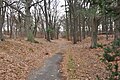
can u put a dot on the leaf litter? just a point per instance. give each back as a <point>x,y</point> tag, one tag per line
<point>19,57</point>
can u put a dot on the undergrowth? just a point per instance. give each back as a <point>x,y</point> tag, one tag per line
<point>110,58</point>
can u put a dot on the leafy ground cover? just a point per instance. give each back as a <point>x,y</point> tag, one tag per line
<point>82,63</point>
<point>19,57</point>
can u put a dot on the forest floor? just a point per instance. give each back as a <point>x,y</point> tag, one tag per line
<point>19,57</point>
<point>80,62</point>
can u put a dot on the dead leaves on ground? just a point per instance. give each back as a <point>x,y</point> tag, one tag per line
<point>17,58</point>
<point>87,61</point>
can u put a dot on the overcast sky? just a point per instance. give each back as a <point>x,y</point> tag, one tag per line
<point>61,9</point>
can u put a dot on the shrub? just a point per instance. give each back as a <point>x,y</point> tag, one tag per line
<point>110,58</point>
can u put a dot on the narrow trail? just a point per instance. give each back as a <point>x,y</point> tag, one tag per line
<point>51,68</point>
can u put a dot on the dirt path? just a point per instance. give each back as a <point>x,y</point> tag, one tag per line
<point>51,68</point>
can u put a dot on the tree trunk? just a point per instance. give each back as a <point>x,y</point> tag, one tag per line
<point>1,34</point>
<point>111,26</point>
<point>46,18</point>
<point>117,29</point>
<point>36,21</point>
<point>7,23</point>
<point>117,23</point>
<point>83,28</point>
<point>67,28</point>
<point>58,32</point>
<point>70,20</point>
<point>79,23</point>
<point>11,25</point>
<point>94,33</point>
<point>29,22</point>
<point>75,31</point>
<point>103,27</point>
<point>106,27</point>
<point>2,15</point>
<point>75,23</point>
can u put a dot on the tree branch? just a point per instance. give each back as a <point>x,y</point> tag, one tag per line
<point>35,3</point>
<point>7,4</point>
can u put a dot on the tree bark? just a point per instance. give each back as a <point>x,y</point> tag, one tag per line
<point>29,22</point>
<point>75,23</point>
<point>83,27</point>
<point>2,15</point>
<point>67,28</point>
<point>46,18</point>
<point>94,32</point>
<point>117,23</point>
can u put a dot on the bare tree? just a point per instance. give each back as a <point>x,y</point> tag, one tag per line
<point>2,17</point>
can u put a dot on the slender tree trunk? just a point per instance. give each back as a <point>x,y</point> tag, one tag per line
<point>117,28</point>
<point>106,27</point>
<point>1,34</point>
<point>46,18</point>
<point>79,23</point>
<point>89,28</point>
<point>103,27</point>
<point>117,23</point>
<point>35,29</point>
<point>11,25</point>
<point>7,23</point>
<point>2,16</point>
<point>111,26</point>
<point>67,28</point>
<point>42,24</point>
<point>36,21</point>
<point>20,25</point>
<point>75,23</point>
<point>70,19</point>
<point>58,32</point>
<point>83,28</point>
<point>74,32</point>
<point>50,21</point>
